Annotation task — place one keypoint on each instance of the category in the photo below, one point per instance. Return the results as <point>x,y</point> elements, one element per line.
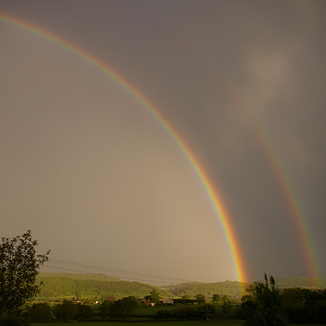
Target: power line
<point>128,275</point>
<point>124,277</point>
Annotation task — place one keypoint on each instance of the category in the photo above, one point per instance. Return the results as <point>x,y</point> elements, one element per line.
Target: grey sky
<point>101,183</point>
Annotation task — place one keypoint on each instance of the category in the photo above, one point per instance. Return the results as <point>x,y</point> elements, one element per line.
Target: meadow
<point>151,311</point>
<point>166,323</point>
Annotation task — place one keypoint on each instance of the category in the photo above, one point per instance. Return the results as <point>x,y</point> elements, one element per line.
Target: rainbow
<point>214,196</point>
<point>287,190</point>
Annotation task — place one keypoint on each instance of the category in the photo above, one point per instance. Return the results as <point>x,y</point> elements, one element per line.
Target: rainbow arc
<point>213,194</point>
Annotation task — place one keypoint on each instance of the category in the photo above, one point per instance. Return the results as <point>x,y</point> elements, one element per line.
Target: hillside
<point>301,282</point>
<point>75,276</point>
<point>229,288</point>
<point>99,285</point>
<point>233,288</point>
<point>86,285</point>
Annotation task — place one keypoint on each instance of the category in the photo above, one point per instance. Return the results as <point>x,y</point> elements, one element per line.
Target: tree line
<point>263,304</point>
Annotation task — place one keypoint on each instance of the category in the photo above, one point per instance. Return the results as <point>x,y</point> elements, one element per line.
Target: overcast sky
<point>99,181</point>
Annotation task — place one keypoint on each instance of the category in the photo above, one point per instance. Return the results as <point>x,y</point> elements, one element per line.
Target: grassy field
<point>154,310</point>
<point>169,323</point>
<point>166,323</point>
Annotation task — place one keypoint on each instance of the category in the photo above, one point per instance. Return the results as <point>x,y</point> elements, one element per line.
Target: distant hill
<point>229,288</point>
<point>233,288</point>
<point>75,276</point>
<point>87,285</point>
<point>99,285</point>
<point>301,282</point>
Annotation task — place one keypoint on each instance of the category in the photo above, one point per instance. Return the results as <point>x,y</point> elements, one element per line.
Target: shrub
<point>65,311</point>
<point>40,312</point>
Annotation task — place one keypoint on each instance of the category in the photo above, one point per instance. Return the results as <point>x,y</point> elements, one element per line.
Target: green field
<point>153,310</point>
<point>169,323</point>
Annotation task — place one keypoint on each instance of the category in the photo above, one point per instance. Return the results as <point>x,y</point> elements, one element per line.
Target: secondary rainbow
<point>284,182</point>
<point>288,192</point>
<point>214,196</point>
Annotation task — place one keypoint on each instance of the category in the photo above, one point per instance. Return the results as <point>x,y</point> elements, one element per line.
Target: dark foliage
<point>12,320</point>
<point>40,312</point>
<point>105,309</point>
<point>65,311</point>
<point>19,265</point>
<point>216,297</point>
<point>226,308</point>
<point>201,299</point>
<point>207,311</point>
<point>124,307</point>
<point>84,312</point>
<point>263,305</point>
<point>181,313</point>
<point>305,306</point>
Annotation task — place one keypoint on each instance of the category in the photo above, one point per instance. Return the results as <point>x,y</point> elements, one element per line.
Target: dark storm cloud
<point>215,69</point>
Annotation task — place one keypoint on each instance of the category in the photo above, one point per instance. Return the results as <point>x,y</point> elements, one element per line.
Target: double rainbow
<point>213,194</point>
<point>215,198</point>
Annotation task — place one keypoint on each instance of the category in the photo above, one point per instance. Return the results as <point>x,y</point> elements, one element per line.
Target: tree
<point>263,305</point>
<point>105,308</point>
<point>40,312</point>
<point>84,312</point>
<point>124,307</point>
<point>200,298</point>
<point>206,311</point>
<point>65,311</point>
<point>153,297</point>
<point>186,297</point>
<point>19,265</point>
<point>226,307</point>
<point>216,298</point>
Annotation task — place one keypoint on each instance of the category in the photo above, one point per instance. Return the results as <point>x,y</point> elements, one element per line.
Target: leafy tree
<point>305,306</point>
<point>84,312</point>
<point>263,305</point>
<point>226,307</point>
<point>186,297</point>
<point>216,298</point>
<point>19,265</point>
<point>133,300</point>
<point>200,298</point>
<point>40,312</point>
<point>105,308</point>
<point>206,311</point>
<point>65,311</point>
<point>154,297</point>
<point>124,307</point>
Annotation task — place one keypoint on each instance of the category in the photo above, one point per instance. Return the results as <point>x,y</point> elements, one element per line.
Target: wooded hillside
<point>60,285</point>
<point>85,285</point>
<point>229,288</point>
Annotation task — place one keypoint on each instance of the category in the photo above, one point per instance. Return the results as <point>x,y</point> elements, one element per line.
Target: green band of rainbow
<point>214,196</point>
